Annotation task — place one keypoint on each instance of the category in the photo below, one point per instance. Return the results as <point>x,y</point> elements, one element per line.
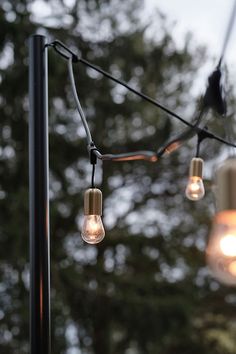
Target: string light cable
<point>194,129</point>
<point>213,98</point>
<point>138,155</point>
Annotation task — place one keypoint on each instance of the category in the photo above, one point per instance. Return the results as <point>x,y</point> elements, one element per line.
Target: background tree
<point>145,288</point>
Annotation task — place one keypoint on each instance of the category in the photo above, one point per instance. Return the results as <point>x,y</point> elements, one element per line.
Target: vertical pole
<point>38,200</point>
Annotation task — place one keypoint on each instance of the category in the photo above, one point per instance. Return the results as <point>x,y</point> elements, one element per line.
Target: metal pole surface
<point>38,200</point>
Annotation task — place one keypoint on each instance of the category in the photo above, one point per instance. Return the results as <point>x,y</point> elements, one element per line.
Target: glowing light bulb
<point>195,187</point>
<point>221,249</point>
<point>93,230</point>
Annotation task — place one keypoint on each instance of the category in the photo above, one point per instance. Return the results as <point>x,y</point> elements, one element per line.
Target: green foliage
<point>145,288</point>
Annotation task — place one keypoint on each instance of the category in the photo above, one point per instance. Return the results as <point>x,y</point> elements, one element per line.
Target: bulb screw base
<point>93,202</point>
<point>196,167</point>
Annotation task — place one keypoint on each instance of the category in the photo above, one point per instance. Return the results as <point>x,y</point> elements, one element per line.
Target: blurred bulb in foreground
<point>221,249</point>
<point>195,188</point>
<point>93,230</point>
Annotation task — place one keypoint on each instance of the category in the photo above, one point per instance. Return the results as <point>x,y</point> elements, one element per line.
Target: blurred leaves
<point>145,288</point>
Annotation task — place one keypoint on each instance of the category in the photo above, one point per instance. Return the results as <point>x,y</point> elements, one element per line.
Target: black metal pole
<point>38,201</point>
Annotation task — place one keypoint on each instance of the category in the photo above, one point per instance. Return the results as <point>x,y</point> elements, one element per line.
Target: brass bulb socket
<point>93,202</point>
<point>226,185</point>
<point>196,167</point>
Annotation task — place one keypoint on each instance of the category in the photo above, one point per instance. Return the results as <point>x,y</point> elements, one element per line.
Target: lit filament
<point>93,230</point>
<point>228,245</point>
<point>195,188</point>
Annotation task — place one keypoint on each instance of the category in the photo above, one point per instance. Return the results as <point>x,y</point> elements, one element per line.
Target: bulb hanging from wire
<point>195,187</point>
<point>93,231</point>
<point>221,249</point>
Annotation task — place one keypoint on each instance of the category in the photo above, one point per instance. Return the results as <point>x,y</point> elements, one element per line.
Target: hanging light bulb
<point>221,249</point>
<point>195,187</point>
<point>93,230</point>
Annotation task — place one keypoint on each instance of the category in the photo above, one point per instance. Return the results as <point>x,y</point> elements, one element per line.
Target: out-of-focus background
<point>146,288</point>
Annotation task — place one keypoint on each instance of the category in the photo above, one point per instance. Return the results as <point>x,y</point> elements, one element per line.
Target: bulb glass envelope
<point>195,187</point>
<point>93,230</point>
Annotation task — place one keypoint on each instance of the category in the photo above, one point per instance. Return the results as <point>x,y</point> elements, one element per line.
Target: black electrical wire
<point>200,137</point>
<point>94,153</point>
<point>66,53</point>
<point>198,148</point>
<point>130,88</point>
<point>176,142</point>
<point>93,176</point>
<point>57,44</point>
